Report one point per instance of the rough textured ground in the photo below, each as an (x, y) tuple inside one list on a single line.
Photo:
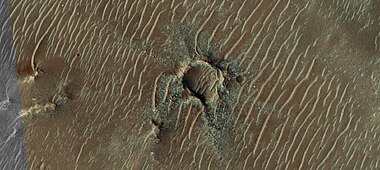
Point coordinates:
[(102, 83)]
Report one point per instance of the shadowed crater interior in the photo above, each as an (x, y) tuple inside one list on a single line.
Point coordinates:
[(203, 81)]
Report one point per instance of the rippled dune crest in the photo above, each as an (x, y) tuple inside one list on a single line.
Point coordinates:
[(207, 84)]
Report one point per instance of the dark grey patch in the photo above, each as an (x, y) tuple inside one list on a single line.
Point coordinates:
[(12, 142), (217, 115)]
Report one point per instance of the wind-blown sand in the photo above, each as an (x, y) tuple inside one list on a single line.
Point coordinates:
[(100, 87)]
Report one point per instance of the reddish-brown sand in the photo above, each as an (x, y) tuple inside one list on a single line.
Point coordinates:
[(100, 87)]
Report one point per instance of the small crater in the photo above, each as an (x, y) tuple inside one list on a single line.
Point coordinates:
[(59, 99), (240, 79), (39, 70), (202, 80)]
